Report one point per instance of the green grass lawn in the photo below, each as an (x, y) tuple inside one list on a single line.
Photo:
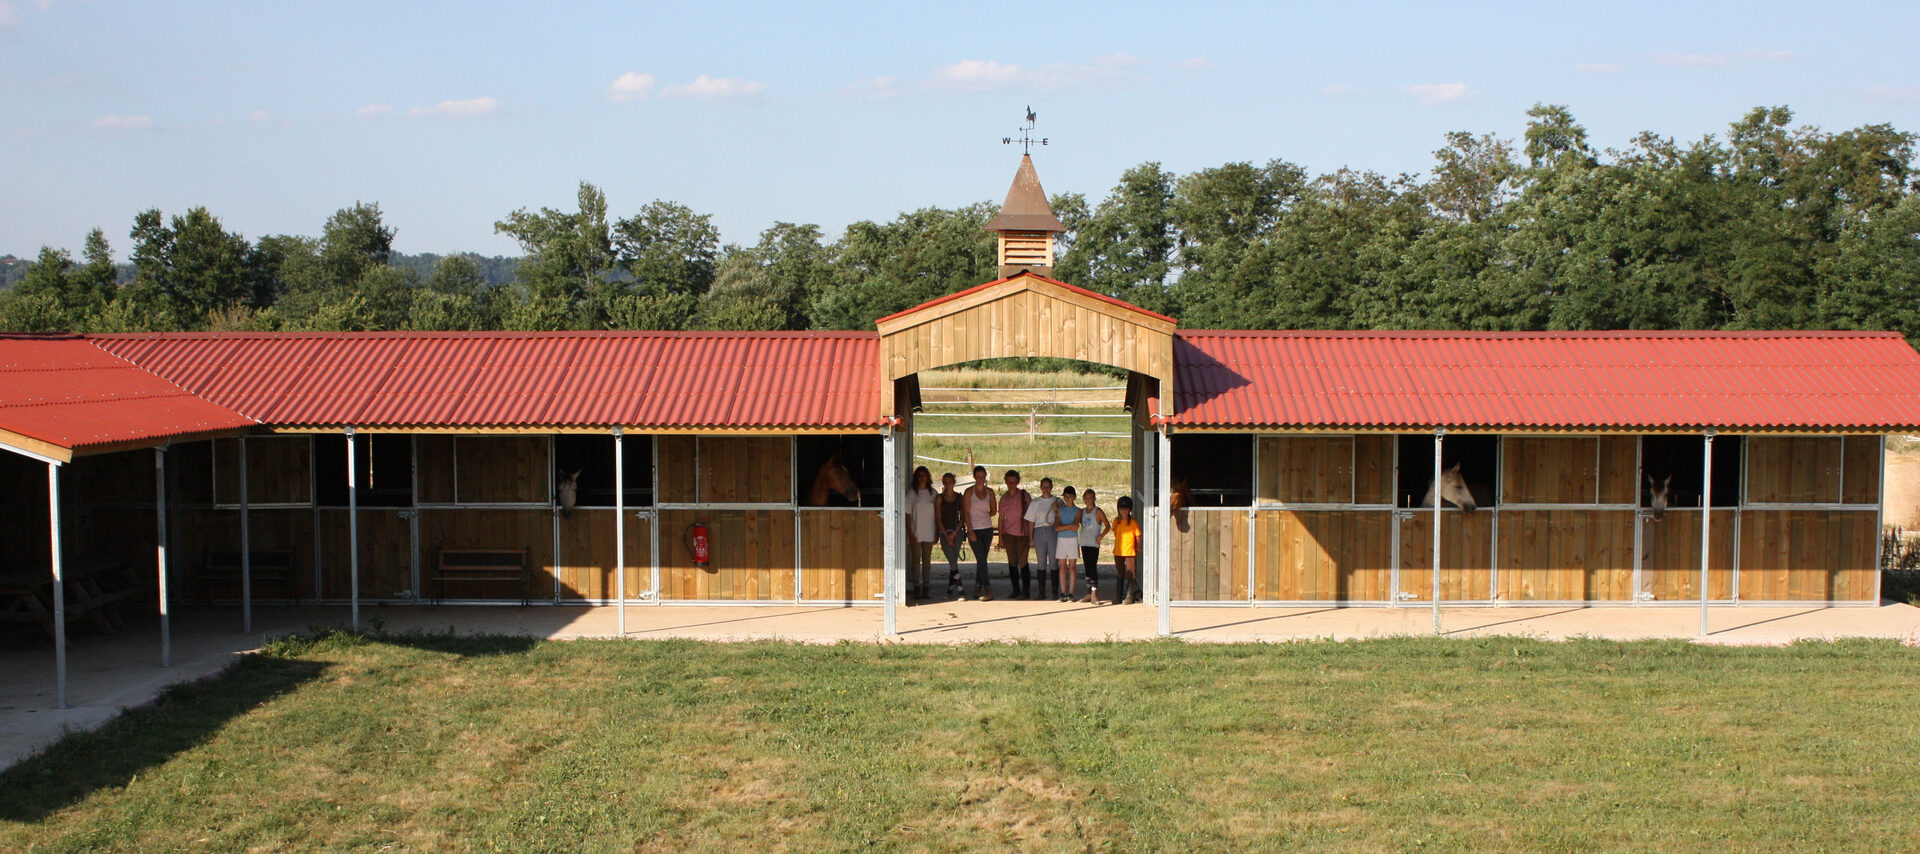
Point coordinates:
[(435, 743)]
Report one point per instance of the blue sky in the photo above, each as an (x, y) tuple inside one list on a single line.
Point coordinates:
[(451, 115)]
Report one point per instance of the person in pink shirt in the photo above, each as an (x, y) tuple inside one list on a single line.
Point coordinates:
[(1016, 533)]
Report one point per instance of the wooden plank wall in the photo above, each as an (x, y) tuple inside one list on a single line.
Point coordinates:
[(490, 528), (841, 555), (502, 469), (1619, 470), (1860, 481), (1549, 470), (198, 529), (752, 555), (1670, 556), (1210, 555), (746, 469), (1466, 555), (1307, 469), (1566, 555), (1793, 469), (433, 469), (279, 470), (1373, 469), (1808, 555), (587, 552), (674, 466), (1027, 323), (1330, 555), (385, 554)]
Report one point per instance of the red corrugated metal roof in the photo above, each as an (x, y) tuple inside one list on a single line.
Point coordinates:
[(747, 380), (1546, 380), (977, 288), (64, 391)]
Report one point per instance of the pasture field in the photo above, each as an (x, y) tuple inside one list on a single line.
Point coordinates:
[(408, 743), (952, 405)]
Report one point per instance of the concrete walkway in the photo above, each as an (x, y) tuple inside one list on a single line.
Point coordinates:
[(110, 673)]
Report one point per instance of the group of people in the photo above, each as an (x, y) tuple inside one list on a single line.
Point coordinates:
[(1064, 533)]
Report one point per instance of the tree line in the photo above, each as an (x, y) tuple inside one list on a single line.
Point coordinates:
[(1769, 226)]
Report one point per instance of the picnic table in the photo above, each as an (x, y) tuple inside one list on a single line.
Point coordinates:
[(94, 591)]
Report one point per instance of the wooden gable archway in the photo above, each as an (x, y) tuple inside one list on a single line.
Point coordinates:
[(1024, 316)]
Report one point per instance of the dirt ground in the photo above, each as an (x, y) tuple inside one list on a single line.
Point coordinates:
[(1903, 487)]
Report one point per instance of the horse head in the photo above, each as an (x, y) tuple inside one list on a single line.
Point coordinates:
[(833, 478), (1452, 488), (1179, 501), (569, 491), (1660, 495)]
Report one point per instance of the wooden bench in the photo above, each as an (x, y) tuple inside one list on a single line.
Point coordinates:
[(482, 566), (94, 591), (271, 568)]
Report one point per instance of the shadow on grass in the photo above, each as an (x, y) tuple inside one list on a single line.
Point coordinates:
[(181, 717)]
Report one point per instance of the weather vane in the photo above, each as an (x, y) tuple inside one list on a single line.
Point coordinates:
[(1025, 139)]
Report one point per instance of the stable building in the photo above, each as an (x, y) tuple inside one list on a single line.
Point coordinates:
[(1273, 468)]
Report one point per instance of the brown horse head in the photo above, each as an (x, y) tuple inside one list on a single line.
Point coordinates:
[(1179, 501), (833, 479), (1659, 496)]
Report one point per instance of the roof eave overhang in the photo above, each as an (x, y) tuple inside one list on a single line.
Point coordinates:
[(1176, 425)]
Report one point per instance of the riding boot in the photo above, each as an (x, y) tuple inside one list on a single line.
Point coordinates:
[(1026, 582), (1014, 579)]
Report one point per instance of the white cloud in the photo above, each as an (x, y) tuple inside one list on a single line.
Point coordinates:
[(715, 89), (373, 111), (873, 88), (471, 108), (259, 116), (124, 123), (9, 15), (1723, 60), (631, 86), (985, 75), (978, 75), (1433, 94), (1600, 67), (1893, 94), (1198, 63)]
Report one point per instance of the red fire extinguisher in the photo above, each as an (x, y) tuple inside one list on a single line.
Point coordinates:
[(697, 543)]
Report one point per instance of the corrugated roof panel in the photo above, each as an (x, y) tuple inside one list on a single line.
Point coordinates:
[(66, 392), (1565, 380), (506, 379)]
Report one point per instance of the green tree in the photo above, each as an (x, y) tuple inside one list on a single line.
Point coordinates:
[(195, 264), (1124, 247), (569, 258), (917, 257)]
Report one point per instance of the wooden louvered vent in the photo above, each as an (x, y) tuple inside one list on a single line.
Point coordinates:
[(1026, 250)]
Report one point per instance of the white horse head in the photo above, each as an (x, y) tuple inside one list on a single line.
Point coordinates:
[(1660, 495), (569, 491), (1452, 489)]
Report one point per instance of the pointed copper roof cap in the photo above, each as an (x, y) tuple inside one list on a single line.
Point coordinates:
[(1026, 207)]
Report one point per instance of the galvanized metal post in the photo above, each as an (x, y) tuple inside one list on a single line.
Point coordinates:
[(890, 531), (353, 530), (1706, 522), (59, 585), (1163, 538), (891, 536), (246, 546), (1439, 437), (620, 526), (160, 553)]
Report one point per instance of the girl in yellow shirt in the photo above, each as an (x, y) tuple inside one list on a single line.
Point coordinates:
[(1126, 551)]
